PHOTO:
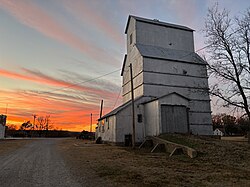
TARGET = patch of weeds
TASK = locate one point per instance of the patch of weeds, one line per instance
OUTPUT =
(180, 139)
(134, 177)
(104, 171)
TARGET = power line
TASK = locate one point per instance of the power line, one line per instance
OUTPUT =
(117, 98)
(72, 85)
(83, 82)
(229, 35)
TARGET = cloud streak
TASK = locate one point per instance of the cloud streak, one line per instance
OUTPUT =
(39, 77)
(83, 12)
(34, 17)
(65, 114)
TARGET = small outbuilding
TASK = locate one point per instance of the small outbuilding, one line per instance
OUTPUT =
(219, 132)
(2, 125)
(170, 84)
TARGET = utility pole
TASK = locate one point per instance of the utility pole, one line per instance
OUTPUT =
(34, 120)
(91, 122)
(133, 106)
(6, 109)
(101, 108)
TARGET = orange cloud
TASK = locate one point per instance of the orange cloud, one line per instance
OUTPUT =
(41, 78)
(33, 16)
(65, 114)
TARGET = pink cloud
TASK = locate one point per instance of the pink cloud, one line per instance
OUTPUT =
(82, 10)
(41, 78)
(33, 16)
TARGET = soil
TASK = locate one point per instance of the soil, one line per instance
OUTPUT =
(219, 163)
(9, 145)
(35, 164)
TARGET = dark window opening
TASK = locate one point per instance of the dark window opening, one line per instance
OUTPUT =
(139, 118)
(131, 39)
(103, 128)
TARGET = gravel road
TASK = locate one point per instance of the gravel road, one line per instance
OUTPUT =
(36, 164)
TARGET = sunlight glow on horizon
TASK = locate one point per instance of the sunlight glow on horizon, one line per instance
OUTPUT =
(50, 50)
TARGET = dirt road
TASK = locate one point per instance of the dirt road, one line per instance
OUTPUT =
(35, 164)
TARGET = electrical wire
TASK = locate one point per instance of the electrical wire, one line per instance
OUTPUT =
(117, 98)
(72, 85)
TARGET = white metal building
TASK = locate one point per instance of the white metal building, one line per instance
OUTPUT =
(170, 84)
(218, 132)
(2, 126)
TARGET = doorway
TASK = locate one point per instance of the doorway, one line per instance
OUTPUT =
(174, 118)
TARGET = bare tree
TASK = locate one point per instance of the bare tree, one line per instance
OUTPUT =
(44, 123)
(228, 42)
(26, 126)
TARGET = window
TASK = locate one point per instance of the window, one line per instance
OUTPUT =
(107, 120)
(102, 128)
(131, 39)
(139, 118)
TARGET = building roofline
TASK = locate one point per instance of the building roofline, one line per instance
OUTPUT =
(165, 96)
(158, 54)
(123, 65)
(118, 109)
(156, 22)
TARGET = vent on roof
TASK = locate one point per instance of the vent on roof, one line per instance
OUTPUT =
(156, 20)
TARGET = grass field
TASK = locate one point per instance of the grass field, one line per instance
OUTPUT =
(219, 163)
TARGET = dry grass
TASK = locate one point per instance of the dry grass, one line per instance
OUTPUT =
(219, 163)
(8, 145)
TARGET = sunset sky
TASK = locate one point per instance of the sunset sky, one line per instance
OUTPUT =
(61, 57)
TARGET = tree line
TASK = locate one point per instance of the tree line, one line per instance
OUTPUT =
(231, 125)
(42, 127)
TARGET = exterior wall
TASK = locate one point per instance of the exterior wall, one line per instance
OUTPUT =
(131, 30)
(174, 80)
(138, 91)
(161, 77)
(2, 131)
(124, 124)
(152, 118)
(152, 112)
(115, 127)
(218, 132)
(154, 78)
(135, 59)
(2, 125)
(174, 67)
(202, 129)
(156, 35)
(106, 129)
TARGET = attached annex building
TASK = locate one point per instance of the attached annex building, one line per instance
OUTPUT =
(170, 84)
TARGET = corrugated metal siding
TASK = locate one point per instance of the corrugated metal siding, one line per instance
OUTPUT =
(174, 119)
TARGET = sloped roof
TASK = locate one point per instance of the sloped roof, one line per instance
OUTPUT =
(166, 54)
(123, 65)
(169, 54)
(166, 96)
(156, 22)
(118, 109)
